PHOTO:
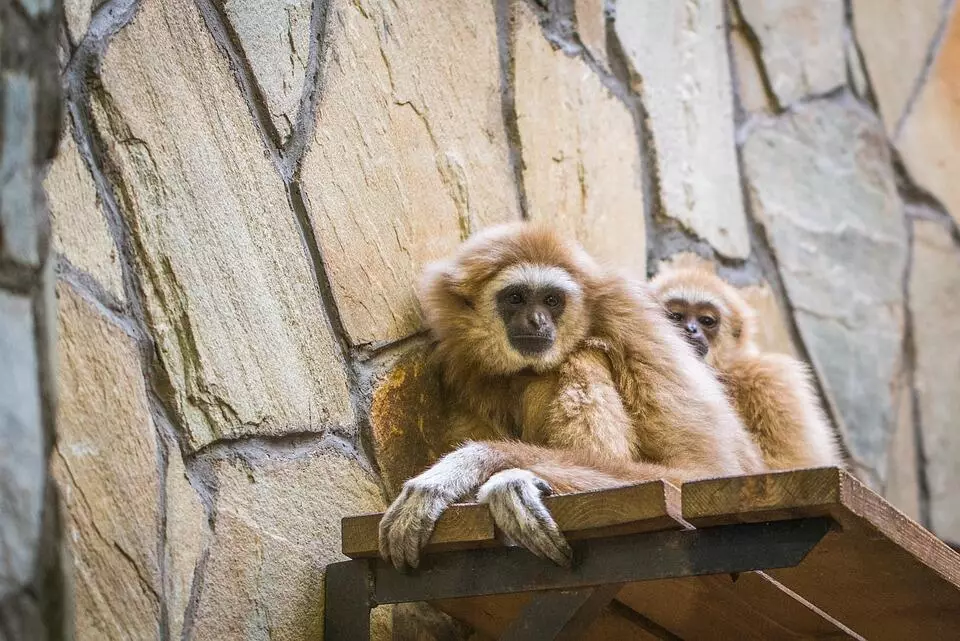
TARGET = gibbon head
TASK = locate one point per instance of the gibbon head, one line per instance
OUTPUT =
(513, 297)
(709, 312)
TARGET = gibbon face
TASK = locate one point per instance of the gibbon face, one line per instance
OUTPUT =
(698, 320)
(508, 301)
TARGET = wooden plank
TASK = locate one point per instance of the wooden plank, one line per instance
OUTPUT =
(751, 607)
(560, 615)
(879, 573)
(624, 510)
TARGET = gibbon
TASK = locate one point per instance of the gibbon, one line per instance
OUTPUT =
(558, 376)
(771, 392)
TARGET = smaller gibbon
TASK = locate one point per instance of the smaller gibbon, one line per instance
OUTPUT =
(771, 392)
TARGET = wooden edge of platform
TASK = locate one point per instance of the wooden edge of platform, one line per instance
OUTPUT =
(630, 509)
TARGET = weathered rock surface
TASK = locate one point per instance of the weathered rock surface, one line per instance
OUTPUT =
(277, 526)
(773, 335)
(822, 184)
(77, 14)
(747, 74)
(930, 139)
(895, 37)
(232, 301)
(22, 465)
(106, 465)
(586, 188)
(679, 50)
(903, 477)
(19, 223)
(275, 36)
(79, 227)
(592, 27)
(409, 154)
(935, 284)
(802, 42)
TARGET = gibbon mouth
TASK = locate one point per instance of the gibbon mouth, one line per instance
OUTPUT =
(530, 344)
(700, 346)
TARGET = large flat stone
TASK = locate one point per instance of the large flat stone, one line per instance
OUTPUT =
(591, 19)
(231, 297)
(22, 463)
(773, 334)
(581, 162)
(79, 227)
(747, 73)
(930, 139)
(903, 471)
(895, 37)
(935, 285)
(679, 51)
(19, 223)
(802, 44)
(822, 184)
(277, 527)
(409, 153)
(106, 464)
(275, 36)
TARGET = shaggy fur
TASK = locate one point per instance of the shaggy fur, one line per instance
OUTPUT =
(771, 392)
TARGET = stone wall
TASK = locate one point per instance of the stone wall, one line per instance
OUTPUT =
(246, 191)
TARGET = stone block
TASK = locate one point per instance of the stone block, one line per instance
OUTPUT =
(773, 334)
(22, 462)
(822, 184)
(106, 464)
(19, 223)
(592, 28)
(935, 285)
(409, 153)
(231, 295)
(679, 52)
(581, 162)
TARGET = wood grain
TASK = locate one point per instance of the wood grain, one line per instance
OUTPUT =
(879, 573)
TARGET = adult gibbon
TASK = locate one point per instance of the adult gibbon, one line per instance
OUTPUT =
(558, 376)
(771, 392)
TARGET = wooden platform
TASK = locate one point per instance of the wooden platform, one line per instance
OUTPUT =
(868, 572)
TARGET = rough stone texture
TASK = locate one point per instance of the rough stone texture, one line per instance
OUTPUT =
(19, 223)
(680, 53)
(590, 191)
(277, 526)
(749, 79)
(106, 464)
(232, 301)
(930, 139)
(79, 227)
(22, 465)
(406, 419)
(895, 37)
(935, 285)
(802, 43)
(822, 184)
(856, 70)
(903, 478)
(592, 28)
(409, 154)
(186, 537)
(77, 14)
(773, 333)
(275, 35)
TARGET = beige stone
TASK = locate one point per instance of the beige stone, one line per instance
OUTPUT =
(903, 478)
(579, 147)
(802, 43)
(22, 462)
(106, 465)
(187, 534)
(79, 227)
(277, 526)
(409, 153)
(822, 184)
(773, 334)
(231, 296)
(77, 14)
(930, 139)
(895, 37)
(750, 89)
(679, 51)
(592, 28)
(275, 36)
(935, 285)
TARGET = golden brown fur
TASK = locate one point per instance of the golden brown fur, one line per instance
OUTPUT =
(619, 398)
(771, 392)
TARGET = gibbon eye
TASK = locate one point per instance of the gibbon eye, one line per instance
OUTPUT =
(675, 316)
(707, 321)
(515, 298)
(552, 300)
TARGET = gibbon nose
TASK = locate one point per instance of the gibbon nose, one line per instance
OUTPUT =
(538, 320)
(692, 328)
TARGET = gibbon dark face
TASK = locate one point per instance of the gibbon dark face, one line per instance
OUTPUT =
(530, 314)
(700, 323)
